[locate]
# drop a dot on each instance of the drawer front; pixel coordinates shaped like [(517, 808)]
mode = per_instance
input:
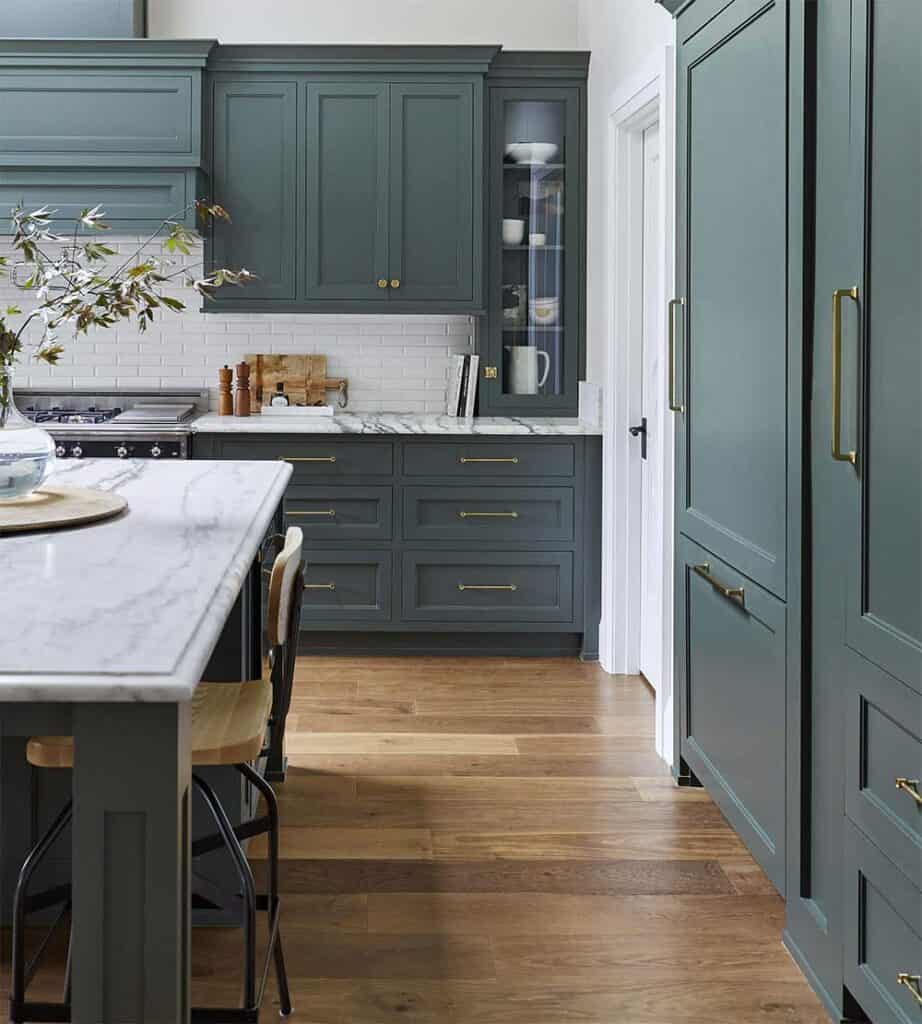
[(315, 458), (456, 586), (341, 512), (883, 792), (488, 513), (883, 934), (733, 679), (499, 459), (346, 586)]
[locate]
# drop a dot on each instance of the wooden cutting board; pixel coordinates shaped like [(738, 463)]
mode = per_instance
[(304, 377)]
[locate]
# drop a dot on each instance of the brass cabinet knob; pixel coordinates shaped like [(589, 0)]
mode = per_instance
[(395, 282), (382, 282)]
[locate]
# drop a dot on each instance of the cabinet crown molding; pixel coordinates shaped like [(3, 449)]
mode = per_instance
[(341, 59), (133, 53)]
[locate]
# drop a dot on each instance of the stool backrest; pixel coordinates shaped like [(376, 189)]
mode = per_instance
[(283, 625)]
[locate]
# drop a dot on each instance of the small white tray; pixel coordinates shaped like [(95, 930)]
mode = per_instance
[(297, 410)]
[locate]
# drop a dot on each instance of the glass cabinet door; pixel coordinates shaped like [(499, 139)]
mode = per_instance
[(534, 252)]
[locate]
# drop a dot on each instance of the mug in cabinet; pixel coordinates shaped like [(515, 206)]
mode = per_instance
[(513, 231), (523, 369)]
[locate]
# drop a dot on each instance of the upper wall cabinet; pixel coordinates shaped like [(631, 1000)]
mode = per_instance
[(109, 122), (354, 176), (534, 344)]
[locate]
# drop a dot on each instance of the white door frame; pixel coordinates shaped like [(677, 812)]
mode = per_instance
[(648, 98)]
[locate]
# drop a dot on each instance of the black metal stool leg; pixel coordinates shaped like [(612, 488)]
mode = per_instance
[(272, 905), (19, 980), (247, 884)]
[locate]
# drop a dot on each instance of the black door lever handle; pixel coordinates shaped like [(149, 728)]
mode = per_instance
[(640, 431)]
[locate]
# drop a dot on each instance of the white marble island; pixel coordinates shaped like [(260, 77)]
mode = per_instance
[(107, 631)]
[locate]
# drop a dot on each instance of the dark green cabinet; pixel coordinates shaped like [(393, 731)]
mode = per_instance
[(346, 142), (533, 346), (372, 195), (731, 326), (255, 175)]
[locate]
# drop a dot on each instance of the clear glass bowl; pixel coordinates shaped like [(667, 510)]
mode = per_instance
[(26, 451)]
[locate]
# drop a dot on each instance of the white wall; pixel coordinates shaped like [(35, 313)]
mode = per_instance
[(517, 24), (625, 36)]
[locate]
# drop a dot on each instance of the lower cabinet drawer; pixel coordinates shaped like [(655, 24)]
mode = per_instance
[(883, 934), (458, 586), (341, 513), (488, 513), (732, 667), (496, 459), (883, 785), (346, 586), (312, 457)]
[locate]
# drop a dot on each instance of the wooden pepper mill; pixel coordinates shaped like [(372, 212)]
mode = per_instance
[(242, 392), (225, 398)]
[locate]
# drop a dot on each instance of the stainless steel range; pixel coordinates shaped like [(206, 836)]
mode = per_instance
[(119, 424)]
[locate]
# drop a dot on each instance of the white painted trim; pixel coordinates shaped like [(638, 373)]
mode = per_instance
[(648, 98)]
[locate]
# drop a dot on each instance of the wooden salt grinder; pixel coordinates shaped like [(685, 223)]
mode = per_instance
[(225, 398), (242, 393)]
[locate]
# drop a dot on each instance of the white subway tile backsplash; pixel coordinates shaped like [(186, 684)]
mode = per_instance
[(393, 363)]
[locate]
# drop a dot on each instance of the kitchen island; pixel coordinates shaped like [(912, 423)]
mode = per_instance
[(108, 630)]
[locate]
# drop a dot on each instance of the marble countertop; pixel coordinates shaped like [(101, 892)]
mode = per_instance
[(391, 423), (130, 609)]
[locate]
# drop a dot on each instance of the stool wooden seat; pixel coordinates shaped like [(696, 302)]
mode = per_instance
[(229, 726)]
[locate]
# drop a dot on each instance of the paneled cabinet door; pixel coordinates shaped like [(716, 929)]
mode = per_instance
[(255, 178), (729, 324), (347, 190), (433, 235), (879, 337)]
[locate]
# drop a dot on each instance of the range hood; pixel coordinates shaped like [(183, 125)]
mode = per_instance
[(75, 19)]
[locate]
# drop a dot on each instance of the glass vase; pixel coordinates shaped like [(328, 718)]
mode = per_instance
[(26, 451)]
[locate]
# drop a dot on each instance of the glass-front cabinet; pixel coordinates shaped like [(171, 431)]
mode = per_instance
[(532, 351)]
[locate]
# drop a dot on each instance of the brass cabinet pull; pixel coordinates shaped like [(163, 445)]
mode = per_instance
[(319, 586), (733, 593), (910, 786), (670, 317), (308, 458), (488, 515), (837, 296), (311, 512), (512, 587), (395, 282), (464, 460), (382, 282), (913, 982)]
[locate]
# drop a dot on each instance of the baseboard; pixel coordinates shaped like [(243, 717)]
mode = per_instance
[(513, 645), (803, 965)]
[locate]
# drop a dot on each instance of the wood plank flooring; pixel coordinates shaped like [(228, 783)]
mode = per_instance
[(490, 841)]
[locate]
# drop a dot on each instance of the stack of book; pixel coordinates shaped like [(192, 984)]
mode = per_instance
[(462, 386)]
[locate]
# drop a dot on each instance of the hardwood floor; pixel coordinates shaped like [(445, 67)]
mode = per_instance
[(487, 841)]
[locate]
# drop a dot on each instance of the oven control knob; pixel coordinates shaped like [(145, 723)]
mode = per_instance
[(156, 452), (77, 451), (60, 451), (122, 451)]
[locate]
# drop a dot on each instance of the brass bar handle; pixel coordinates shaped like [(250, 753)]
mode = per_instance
[(670, 318), (307, 458), (488, 515), (311, 512), (910, 786), (512, 587), (465, 460), (837, 296), (319, 586), (732, 593), (913, 982)]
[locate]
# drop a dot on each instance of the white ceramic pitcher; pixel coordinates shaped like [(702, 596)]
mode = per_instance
[(523, 369)]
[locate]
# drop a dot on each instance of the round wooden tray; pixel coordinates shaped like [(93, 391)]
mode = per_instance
[(53, 507)]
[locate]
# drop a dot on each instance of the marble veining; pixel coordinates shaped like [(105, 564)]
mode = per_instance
[(130, 609), (393, 423)]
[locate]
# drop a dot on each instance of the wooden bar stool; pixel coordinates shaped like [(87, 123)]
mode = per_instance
[(230, 722)]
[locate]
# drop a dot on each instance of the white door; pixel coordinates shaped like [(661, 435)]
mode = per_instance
[(651, 516)]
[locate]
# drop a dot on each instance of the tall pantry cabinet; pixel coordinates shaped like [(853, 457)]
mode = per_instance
[(797, 389)]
